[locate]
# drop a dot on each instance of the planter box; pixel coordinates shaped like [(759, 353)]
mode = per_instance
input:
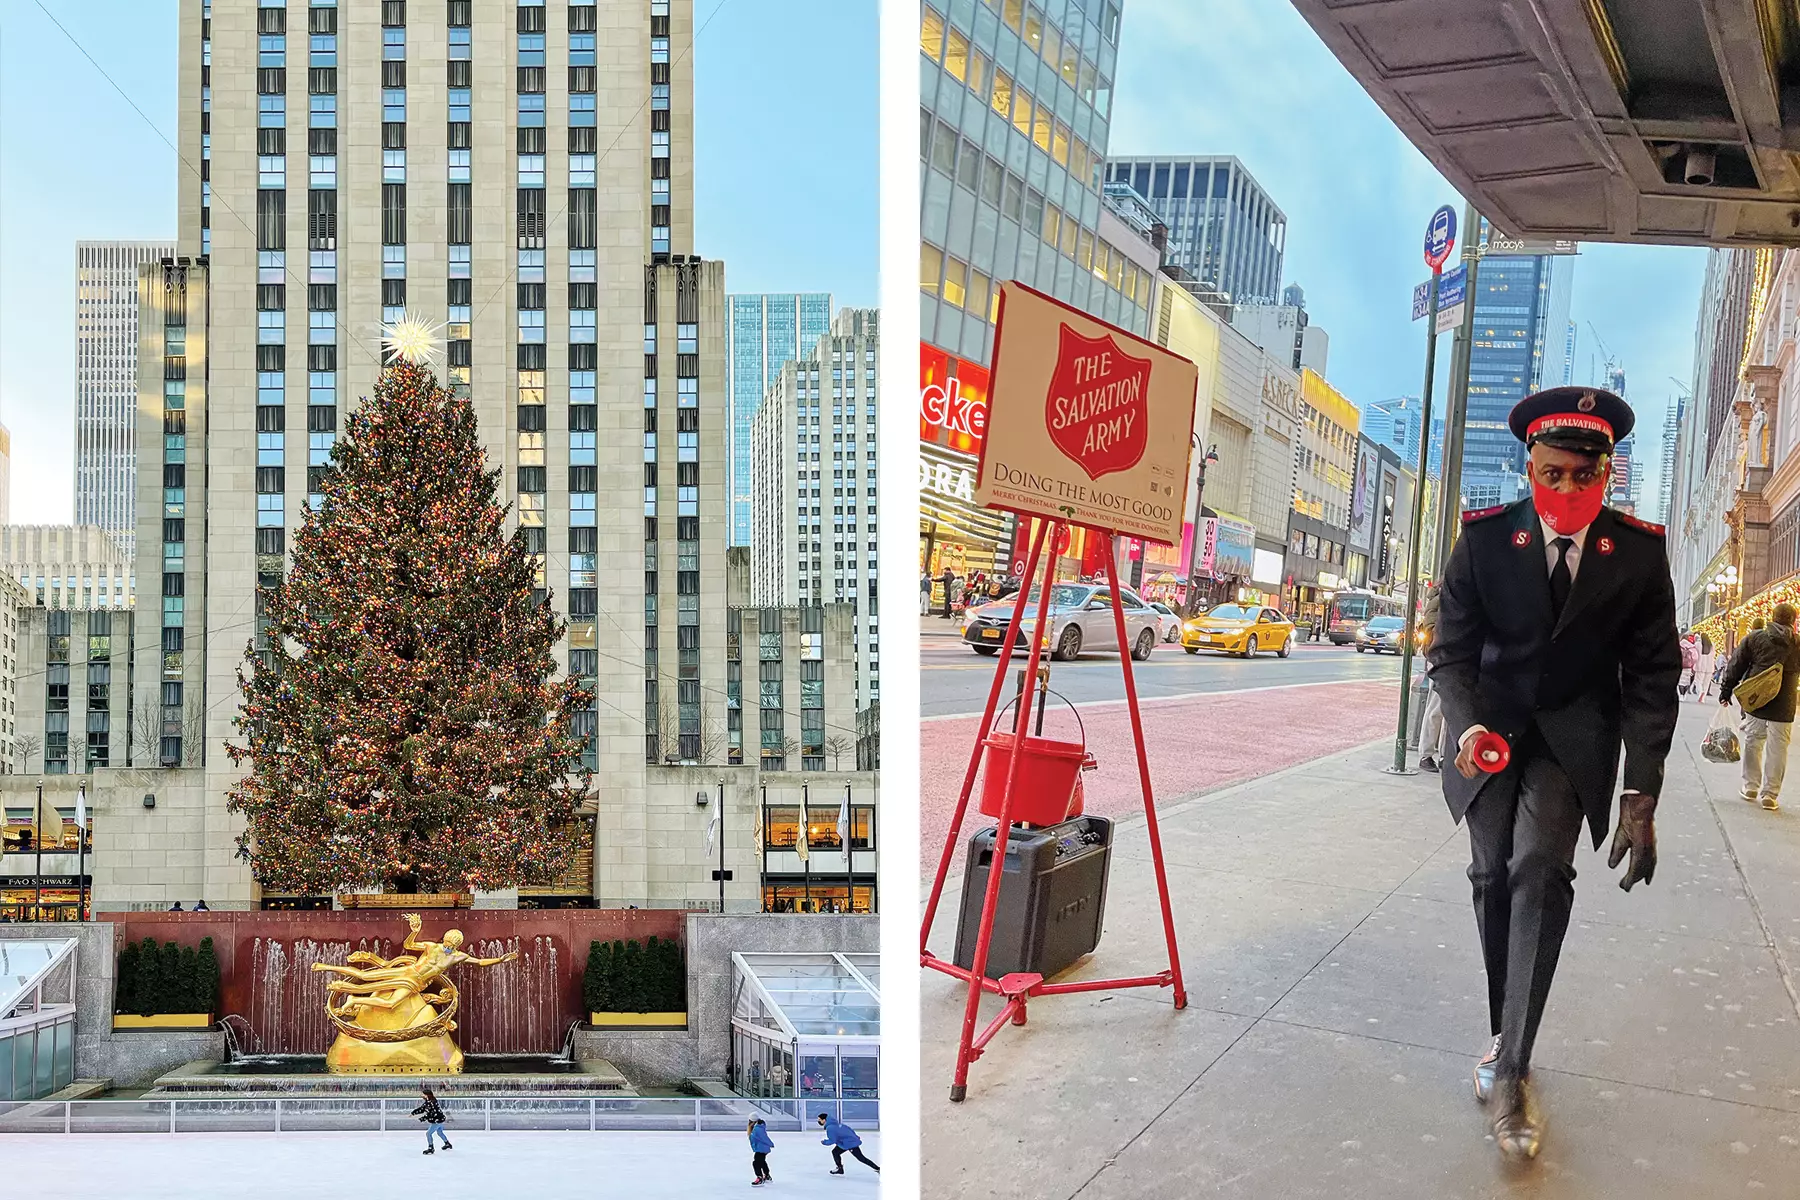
[(625, 1020), (416, 900), (163, 1021)]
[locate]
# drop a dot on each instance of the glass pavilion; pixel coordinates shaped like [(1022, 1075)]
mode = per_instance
[(806, 1028), (37, 1017)]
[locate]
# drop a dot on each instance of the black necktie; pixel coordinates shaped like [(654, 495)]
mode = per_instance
[(1560, 579)]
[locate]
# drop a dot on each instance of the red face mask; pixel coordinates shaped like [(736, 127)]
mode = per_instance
[(1567, 512)]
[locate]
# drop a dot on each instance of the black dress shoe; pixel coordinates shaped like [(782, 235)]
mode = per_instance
[(1518, 1127), (1484, 1074)]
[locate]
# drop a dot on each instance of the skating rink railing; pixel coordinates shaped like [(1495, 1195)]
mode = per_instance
[(368, 1114)]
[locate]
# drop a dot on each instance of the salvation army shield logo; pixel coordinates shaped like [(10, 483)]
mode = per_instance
[(1096, 411)]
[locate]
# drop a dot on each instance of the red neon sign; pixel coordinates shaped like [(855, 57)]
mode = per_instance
[(953, 409)]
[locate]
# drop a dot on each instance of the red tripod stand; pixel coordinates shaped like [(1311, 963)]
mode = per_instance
[(1018, 989)]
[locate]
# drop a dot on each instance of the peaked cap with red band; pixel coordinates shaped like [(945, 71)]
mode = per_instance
[(1583, 419)]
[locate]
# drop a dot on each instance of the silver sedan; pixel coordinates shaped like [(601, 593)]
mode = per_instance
[(1081, 619)]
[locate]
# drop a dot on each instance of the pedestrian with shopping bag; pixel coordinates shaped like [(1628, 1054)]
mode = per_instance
[(433, 1116), (1764, 675), (761, 1144)]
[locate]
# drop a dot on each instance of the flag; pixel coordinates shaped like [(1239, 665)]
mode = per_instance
[(81, 812), (843, 828), (712, 831), (800, 846)]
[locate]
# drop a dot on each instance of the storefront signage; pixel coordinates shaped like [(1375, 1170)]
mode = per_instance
[(1281, 394), (40, 881), (1087, 423), (953, 401), (1209, 548), (1234, 553), (1267, 569), (945, 479)]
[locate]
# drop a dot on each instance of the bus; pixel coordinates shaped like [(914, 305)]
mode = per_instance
[(1351, 610)]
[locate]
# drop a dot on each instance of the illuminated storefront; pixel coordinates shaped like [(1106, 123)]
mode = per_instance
[(954, 532), (822, 881)]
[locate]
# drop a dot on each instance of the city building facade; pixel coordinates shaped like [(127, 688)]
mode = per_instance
[(813, 469), (1285, 329), (106, 366), (1324, 466), (1519, 345), (1015, 107), (5, 475), (573, 307), (68, 566), (1223, 229), (762, 332)]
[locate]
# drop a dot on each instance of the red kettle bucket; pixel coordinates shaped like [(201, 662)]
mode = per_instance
[(1047, 788)]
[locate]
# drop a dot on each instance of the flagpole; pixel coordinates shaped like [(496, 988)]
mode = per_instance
[(721, 847), (849, 868), (805, 865), (81, 852)]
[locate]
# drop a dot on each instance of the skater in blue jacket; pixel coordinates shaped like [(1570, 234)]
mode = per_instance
[(840, 1137), (760, 1145)]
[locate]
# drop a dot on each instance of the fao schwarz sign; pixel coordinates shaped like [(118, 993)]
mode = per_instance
[(1087, 423)]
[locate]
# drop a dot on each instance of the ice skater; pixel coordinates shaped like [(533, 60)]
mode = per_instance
[(760, 1146), (840, 1137), (433, 1116)]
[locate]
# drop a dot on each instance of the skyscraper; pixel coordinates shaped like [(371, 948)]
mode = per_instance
[(762, 331), (1671, 437), (1627, 468), (1520, 340), (810, 462), (1015, 113), (1223, 228), (533, 190), (106, 345)]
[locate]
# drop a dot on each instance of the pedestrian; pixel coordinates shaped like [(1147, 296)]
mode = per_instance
[(841, 1138), (760, 1146), (949, 581), (925, 593), (1690, 662), (1556, 631), (1431, 734), (1769, 728), (433, 1116), (1707, 667)]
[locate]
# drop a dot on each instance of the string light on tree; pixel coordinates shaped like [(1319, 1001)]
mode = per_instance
[(401, 719)]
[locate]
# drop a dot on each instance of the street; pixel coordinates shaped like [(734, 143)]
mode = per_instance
[(1209, 721), (954, 679)]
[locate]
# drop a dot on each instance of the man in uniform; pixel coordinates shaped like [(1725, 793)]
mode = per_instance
[(1556, 630)]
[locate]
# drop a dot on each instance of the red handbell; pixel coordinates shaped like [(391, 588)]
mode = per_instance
[(1491, 752)]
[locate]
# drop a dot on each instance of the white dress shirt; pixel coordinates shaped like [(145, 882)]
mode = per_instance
[(1573, 558), (1574, 555)]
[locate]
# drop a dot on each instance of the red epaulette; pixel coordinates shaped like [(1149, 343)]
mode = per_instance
[(1646, 526), (1482, 514)]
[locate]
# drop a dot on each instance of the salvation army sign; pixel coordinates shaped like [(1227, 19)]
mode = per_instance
[(1086, 423)]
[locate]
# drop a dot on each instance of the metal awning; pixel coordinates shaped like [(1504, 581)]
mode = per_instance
[(1650, 121)]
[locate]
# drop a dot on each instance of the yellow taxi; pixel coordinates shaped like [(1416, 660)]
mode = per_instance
[(1242, 629)]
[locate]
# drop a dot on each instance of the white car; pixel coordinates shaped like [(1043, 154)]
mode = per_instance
[(1168, 621), (1081, 618)]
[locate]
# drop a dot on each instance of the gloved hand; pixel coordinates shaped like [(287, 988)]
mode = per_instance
[(1636, 833)]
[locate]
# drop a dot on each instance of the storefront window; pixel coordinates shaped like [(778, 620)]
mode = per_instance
[(818, 895)]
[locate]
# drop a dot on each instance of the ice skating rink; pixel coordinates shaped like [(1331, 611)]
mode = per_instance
[(484, 1166)]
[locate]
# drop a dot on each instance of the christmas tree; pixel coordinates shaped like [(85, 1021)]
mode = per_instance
[(401, 722)]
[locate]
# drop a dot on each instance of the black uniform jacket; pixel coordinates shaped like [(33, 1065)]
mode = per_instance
[(1602, 676)]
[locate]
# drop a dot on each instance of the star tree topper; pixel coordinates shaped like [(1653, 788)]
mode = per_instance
[(411, 339)]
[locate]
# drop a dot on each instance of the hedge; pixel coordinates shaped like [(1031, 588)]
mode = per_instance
[(627, 977), (168, 977)]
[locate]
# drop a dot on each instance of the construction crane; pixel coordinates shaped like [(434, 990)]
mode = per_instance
[(1611, 362)]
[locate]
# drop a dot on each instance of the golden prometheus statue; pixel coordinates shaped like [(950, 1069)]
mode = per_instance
[(394, 1016)]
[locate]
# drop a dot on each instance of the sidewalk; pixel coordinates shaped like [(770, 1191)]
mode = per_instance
[(1337, 1004)]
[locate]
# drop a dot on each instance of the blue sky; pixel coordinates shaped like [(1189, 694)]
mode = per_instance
[(1251, 79), (785, 99)]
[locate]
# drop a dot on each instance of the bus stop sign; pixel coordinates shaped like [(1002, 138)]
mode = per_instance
[(1440, 237)]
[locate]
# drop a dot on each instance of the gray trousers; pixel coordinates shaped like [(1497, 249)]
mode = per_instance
[(1523, 830)]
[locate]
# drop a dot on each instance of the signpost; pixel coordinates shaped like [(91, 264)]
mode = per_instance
[(1452, 297), (1087, 424), (1440, 239)]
